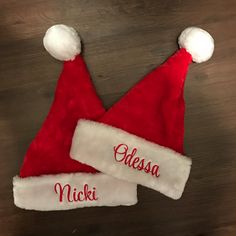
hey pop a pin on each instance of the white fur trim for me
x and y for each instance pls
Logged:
(62, 42)
(198, 42)
(93, 143)
(37, 193)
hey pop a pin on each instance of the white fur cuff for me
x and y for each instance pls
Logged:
(125, 156)
(69, 191)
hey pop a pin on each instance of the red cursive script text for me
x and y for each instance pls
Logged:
(69, 194)
(122, 154)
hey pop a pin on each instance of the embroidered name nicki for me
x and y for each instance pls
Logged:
(66, 193)
(122, 154)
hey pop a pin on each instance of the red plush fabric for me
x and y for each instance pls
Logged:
(75, 98)
(154, 108)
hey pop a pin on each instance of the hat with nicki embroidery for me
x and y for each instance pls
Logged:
(49, 179)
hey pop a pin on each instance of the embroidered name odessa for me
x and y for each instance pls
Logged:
(121, 154)
(69, 194)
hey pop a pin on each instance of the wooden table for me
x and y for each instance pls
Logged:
(123, 40)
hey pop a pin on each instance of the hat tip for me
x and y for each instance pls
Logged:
(198, 42)
(62, 42)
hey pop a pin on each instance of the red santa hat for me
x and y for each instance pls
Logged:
(49, 179)
(140, 139)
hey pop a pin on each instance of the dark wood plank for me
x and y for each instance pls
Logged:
(123, 40)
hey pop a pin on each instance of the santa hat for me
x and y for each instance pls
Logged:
(49, 179)
(140, 139)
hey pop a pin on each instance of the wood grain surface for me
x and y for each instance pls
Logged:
(122, 41)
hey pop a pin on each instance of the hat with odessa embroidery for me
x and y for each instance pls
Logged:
(49, 179)
(140, 139)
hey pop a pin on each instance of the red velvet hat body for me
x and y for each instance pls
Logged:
(154, 108)
(75, 98)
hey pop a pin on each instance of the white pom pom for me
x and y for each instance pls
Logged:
(198, 43)
(62, 42)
